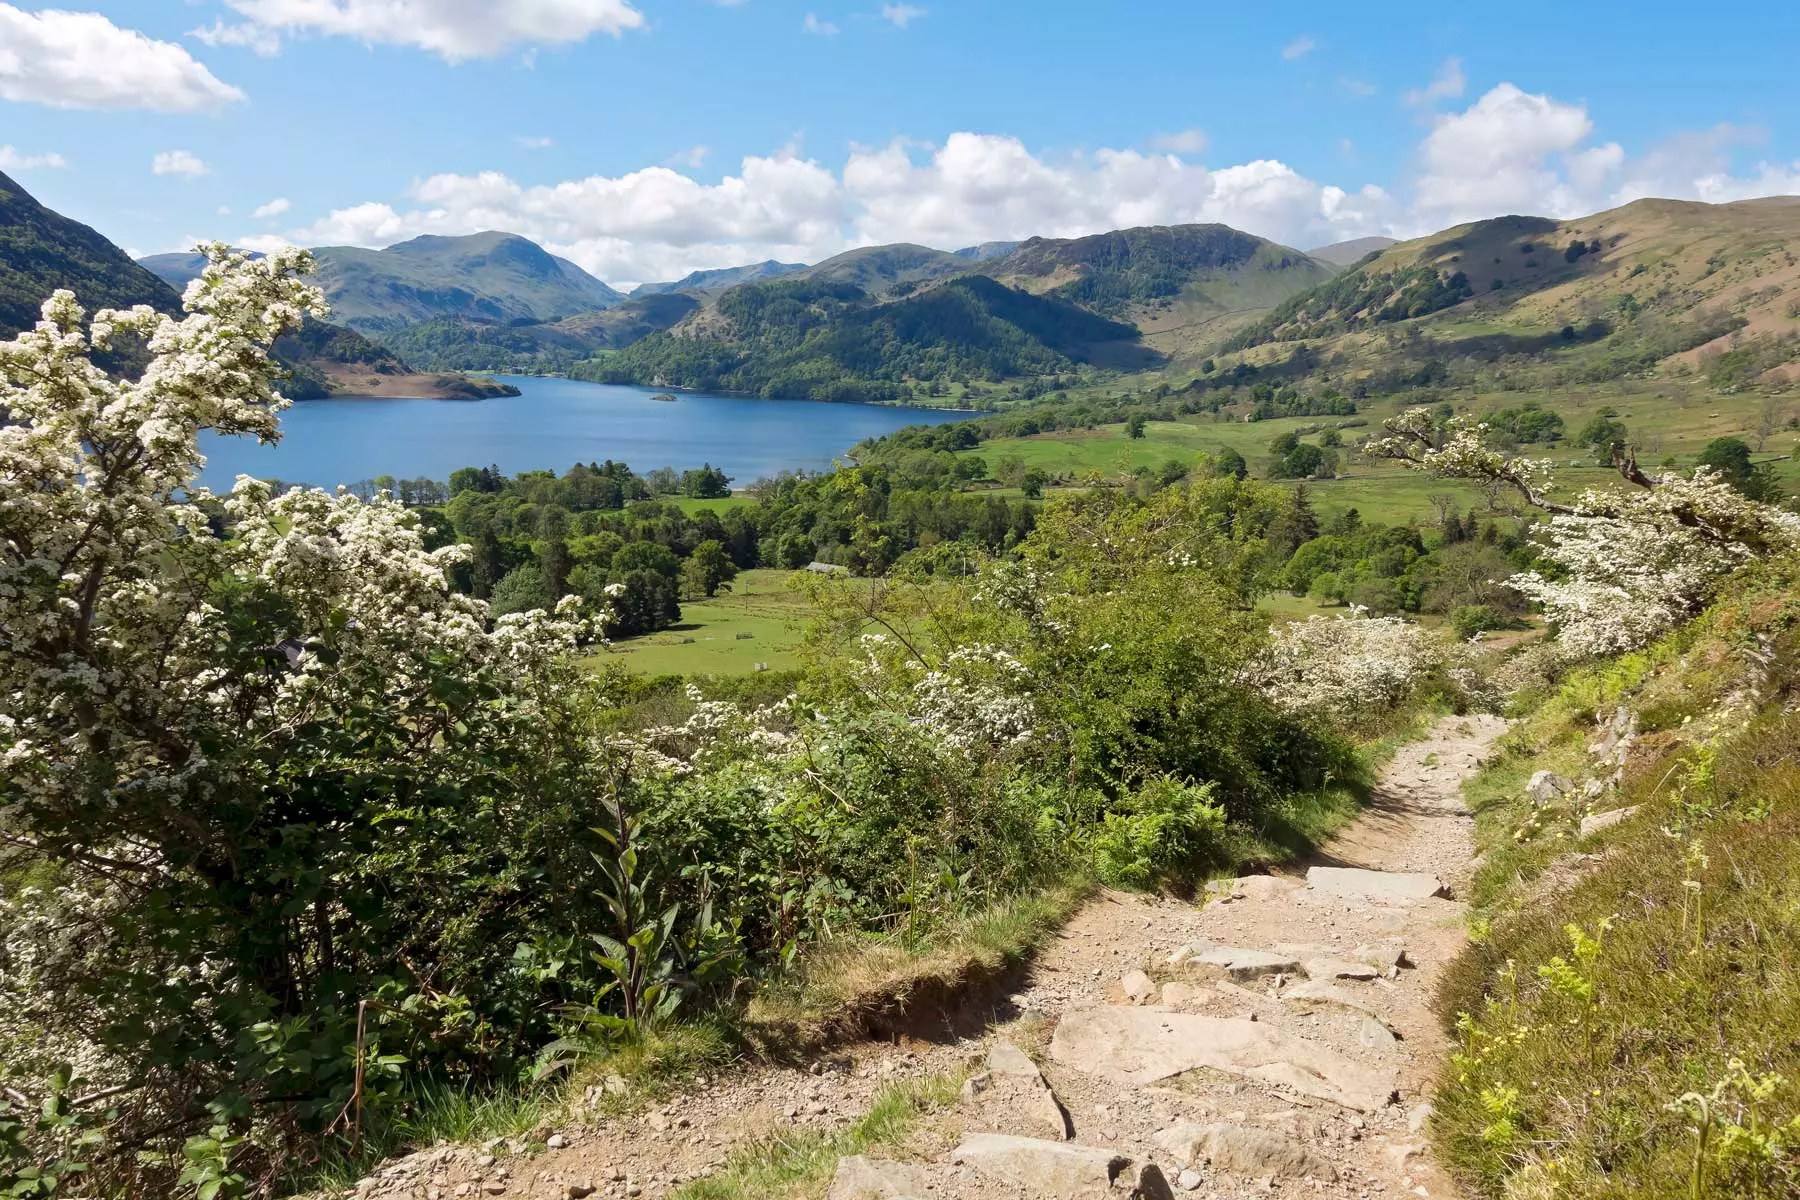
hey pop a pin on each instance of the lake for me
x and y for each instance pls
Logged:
(553, 425)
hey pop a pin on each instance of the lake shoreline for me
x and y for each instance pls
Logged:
(552, 424)
(730, 395)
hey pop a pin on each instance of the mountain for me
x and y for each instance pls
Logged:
(494, 278)
(720, 279)
(623, 324)
(881, 270)
(41, 251)
(822, 339)
(1653, 285)
(1345, 254)
(178, 269)
(987, 250)
(453, 344)
(1129, 271)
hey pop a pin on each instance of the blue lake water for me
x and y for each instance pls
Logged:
(553, 425)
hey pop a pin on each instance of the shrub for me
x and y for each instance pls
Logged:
(1167, 833)
(1471, 619)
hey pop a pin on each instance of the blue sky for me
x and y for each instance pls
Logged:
(646, 138)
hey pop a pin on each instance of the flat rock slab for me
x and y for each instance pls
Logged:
(1244, 1151)
(860, 1178)
(1240, 963)
(1320, 993)
(1393, 887)
(1141, 1046)
(1057, 1169)
(1605, 820)
(1337, 968)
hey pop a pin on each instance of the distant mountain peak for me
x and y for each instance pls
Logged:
(1344, 254)
(490, 277)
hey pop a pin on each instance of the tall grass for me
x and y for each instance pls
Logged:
(1629, 1018)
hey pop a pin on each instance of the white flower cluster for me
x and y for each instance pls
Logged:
(715, 731)
(1639, 563)
(1339, 667)
(1634, 563)
(974, 702)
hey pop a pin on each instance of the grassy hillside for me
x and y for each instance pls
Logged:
(880, 270)
(1670, 288)
(41, 251)
(492, 278)
(719, 280)
(1626, 1021)
(1345, 254)
(1127, 270)
(808, 339)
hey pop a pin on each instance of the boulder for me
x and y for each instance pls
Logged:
(1337, 968)
(1137, 987)
(861, 1178)
(1183, 954)
(1385, 954)
(1391, 887)
(1176, 994)
(1546, 787)
(1052, 1116)
(1605, 820)
(1008, 1061)
(1372, 1032)
(1142, 1046)
(1240, 963)
(1244, 1151)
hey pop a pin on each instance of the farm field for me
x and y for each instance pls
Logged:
(1666, 419)
(758, 621)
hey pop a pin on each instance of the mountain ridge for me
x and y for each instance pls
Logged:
(491, 277)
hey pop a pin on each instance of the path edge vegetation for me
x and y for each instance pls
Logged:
(1627, 1015)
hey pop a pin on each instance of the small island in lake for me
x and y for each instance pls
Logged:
(665, 396)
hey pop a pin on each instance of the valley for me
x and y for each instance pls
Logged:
(1157, 712)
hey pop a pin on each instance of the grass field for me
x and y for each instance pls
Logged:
(758, 621)
(1666, 419)
(690, 505)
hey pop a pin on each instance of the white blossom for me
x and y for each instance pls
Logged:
(1341, 666)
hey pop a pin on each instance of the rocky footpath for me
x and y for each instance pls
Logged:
(1276, 1040)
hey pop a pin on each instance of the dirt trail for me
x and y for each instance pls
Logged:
(1276, 1040)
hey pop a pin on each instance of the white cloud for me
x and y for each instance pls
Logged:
(177, 162)
(12, 160)
(83, 60)
(694, 157)
(1509, 151)
(1186, 141)
(658, 223)
(536, 143)
(1300, 47)
(1362, 89)
(264, 41)
(272, 209)
(224, 211)
(819, 28)
(901, 15)
(1515, 152)
(1447, 84)
(455, 29)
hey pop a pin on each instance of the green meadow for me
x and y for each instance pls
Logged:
(759, 621)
